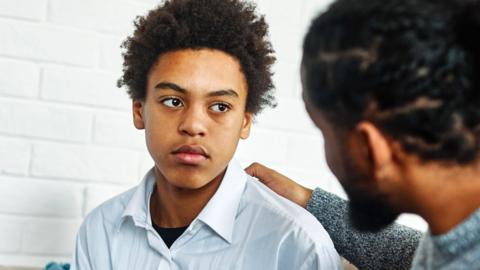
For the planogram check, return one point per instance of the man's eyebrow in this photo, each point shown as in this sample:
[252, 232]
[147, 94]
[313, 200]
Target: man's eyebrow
[227, 92]
[172, 86]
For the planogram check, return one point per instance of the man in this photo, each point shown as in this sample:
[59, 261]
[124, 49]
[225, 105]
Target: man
[197, 72]
[394, 86]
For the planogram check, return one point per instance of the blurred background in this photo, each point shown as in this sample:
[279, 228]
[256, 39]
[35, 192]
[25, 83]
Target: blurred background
[67, 142]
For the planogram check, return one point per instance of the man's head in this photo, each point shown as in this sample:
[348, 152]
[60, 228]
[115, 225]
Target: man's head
[393, 85]
[197, 72]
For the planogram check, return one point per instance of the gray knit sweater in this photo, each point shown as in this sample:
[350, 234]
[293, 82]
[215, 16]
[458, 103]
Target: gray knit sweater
[393, 248]
[458, 249]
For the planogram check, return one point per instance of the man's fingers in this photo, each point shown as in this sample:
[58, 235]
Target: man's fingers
[281, 184]
[252, 169]
[257, 170]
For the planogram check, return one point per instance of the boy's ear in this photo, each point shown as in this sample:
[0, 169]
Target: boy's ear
[137, 110]
[247, 124]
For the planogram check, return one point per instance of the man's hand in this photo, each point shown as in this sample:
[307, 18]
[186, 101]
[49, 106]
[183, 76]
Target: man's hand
[281, 184]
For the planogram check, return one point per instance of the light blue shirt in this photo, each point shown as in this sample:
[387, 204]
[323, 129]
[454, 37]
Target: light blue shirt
[244, 226]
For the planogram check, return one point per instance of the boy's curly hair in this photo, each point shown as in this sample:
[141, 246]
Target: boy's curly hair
[231, 26]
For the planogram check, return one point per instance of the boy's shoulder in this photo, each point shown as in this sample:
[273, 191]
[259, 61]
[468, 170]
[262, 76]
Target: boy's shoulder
[110, 212]
[301, 241]
[283, 211]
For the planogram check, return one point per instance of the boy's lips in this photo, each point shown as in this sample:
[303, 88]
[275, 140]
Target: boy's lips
[190, 154]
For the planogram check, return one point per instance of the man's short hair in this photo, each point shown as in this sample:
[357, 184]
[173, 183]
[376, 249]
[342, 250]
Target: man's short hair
[231, 26]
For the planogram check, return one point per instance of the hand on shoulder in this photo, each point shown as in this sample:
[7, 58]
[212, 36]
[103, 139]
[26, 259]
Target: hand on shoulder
[281, 184]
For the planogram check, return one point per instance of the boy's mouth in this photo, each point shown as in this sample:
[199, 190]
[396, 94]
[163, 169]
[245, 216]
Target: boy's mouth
[190, 154]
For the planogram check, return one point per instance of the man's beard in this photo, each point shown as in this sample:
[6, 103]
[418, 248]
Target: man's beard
[368, 210]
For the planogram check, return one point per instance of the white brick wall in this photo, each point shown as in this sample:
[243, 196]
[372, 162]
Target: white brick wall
[40, 198]
[14, 82]
[34, 10]
[14, 156]
[39, 41]
[83, 87]
[84, 163]
[67, 142]
[10, 232]
[49, 236]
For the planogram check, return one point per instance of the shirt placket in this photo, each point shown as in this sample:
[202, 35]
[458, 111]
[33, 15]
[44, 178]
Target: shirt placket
[181, 242]
[157, 244]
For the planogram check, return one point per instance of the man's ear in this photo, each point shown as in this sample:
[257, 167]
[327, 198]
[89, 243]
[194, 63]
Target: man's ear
[379, 148]
[247, 124]
[137, 110]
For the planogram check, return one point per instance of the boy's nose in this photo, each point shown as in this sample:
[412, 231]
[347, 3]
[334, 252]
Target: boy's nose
[193, 122]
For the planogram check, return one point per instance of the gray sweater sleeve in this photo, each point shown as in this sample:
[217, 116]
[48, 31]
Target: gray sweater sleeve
[392, 248]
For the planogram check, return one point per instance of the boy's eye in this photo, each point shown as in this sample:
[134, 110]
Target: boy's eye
[220, 107]
[172, 102]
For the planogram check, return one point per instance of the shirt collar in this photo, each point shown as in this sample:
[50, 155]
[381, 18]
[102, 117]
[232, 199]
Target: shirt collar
[138, 206]
[460, 238]
[219, 213]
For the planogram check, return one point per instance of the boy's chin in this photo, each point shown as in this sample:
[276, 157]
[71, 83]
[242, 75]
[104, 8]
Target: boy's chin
[191, 186]
[189, 177]
[190, 181]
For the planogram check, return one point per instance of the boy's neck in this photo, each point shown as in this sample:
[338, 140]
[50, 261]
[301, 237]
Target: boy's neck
[173, 207]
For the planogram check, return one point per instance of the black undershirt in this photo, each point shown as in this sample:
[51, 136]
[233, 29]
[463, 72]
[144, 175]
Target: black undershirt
[169, 235]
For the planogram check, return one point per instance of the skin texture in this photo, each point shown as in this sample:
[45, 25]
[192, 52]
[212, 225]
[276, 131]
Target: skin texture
[195, 98]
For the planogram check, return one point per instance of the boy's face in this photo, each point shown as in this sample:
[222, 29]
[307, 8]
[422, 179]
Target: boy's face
[193, 115]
